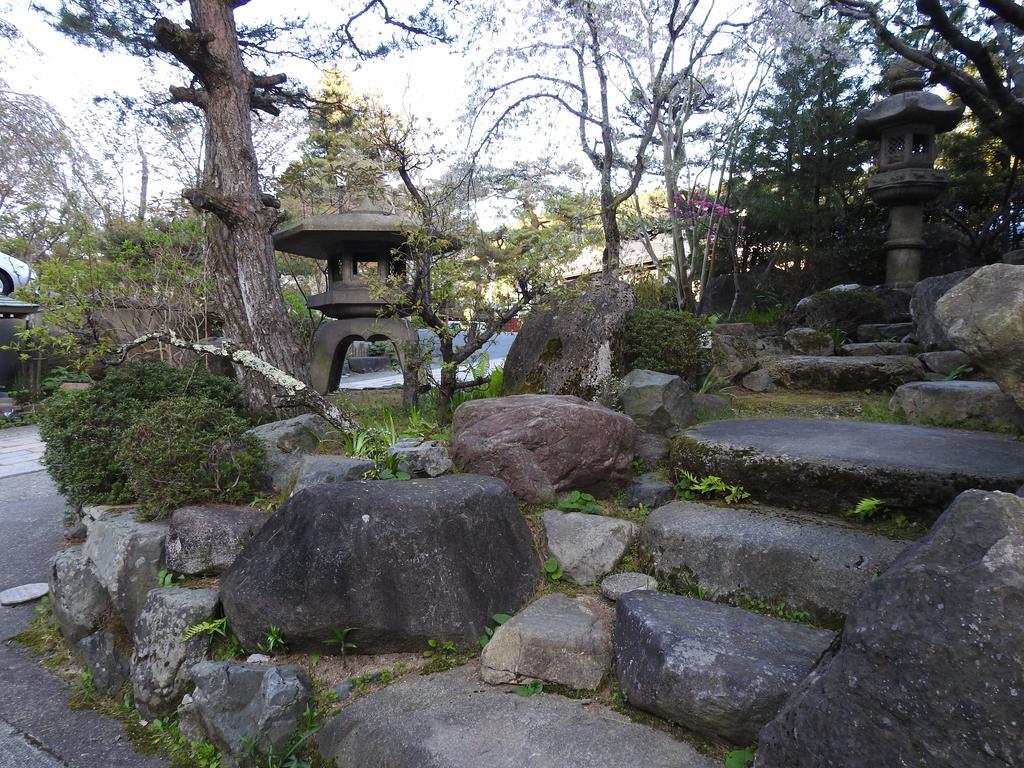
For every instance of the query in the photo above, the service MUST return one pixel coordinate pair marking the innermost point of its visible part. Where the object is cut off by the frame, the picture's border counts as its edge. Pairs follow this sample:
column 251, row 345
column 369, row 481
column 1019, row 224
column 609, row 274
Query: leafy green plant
column 868, row 508
column 165, row 578
column 388, row 469
column 664, row 340
column 959, row 372
column 384, row 677
column 499, row 619
column 580, row 502
column 740, row 758
column 691, row 487
column 531, row 688
column 341, row 642
column 437, row 648
column 84, row 431
column 187, row 449
column 552, row 570
column 213, row 628
column 275, row 641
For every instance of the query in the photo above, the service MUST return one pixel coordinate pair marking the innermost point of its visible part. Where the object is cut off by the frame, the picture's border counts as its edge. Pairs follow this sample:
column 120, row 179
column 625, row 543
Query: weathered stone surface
column 930, row 333
column 717, row 670
column 944, row 362
column 958, row 403
column 758, row 381
column 829, row 465
column 709, row 406
column 884, row 331
column 810, row 341
column 847, row 307
column 568, row 346
column 329, row 468
column 545, row 445
column 553, row 639
column 657, row 402
column 236, row 705
column 403, row 561
column 24, row 593
column 734, row 355
column 425, row 458
column 984, row 317
column 875, row 348
column 126, row 556
column 652, row 448
column 929, row 671
column 615, row 586
column 448, row 720
column 650, row 491
column 841, row 374
column 162, row 657
column 205, row 539
column 108, row 669
column 586, row 546
column 286, row 442
column 808, row 565
column 747, row 330
column 77, row 598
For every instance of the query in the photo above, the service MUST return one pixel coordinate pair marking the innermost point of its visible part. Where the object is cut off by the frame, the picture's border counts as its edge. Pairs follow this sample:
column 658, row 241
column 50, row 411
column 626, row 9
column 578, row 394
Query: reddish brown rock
column 545, row 445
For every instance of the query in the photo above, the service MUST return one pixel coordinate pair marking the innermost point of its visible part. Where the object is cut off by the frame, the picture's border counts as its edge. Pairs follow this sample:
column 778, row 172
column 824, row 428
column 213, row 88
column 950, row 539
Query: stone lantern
column 356, row 244
column 905, row 124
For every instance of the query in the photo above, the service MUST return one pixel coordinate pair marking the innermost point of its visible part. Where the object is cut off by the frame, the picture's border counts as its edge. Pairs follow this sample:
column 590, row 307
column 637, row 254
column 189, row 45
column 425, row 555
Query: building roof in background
column 633, row 256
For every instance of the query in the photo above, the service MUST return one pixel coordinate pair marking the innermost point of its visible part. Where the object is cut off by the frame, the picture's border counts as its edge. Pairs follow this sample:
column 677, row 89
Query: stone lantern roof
column 318, row 236
column 909, row 104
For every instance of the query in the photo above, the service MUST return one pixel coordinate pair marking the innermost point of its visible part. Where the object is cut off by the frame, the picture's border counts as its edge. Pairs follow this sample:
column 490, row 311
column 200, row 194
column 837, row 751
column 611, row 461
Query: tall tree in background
column 216, row 53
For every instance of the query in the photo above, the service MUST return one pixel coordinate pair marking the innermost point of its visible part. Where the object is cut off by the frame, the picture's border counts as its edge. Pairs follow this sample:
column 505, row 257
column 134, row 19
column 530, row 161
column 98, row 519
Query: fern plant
column 213, row 628
column 868, row 508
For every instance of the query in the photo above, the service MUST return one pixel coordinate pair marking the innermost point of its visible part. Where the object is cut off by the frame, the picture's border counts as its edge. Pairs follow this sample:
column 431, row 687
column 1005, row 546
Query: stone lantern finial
column 905, row 124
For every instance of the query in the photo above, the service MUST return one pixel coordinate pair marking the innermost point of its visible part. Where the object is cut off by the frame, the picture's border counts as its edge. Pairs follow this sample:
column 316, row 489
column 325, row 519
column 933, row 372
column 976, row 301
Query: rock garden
column 644, row 574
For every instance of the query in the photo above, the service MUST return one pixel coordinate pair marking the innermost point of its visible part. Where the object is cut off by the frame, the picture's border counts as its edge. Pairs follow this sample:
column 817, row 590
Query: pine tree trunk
column 241, row 249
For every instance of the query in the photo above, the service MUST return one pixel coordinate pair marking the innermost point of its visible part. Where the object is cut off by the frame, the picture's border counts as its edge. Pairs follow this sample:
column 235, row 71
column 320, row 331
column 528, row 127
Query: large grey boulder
column 127, row 556
column 109, row 670
column 734, row 354
column 721, row 671
column 586, row 546
column 841, row 374
column 958, row 403
column 930, row 333
column 984, row 317
column 657, row 402
column 285, row 442
column 649, row 491
column 615, row 586
column 423, row 458
column 569, row 345
column 448, row 720
column 653, row 449
column 802, row 562
column 945, row 362
column 545, row 445
column 553, row 639
column 206, row 538
column 828, row 465
column 163, row 657
column 77, row 597
column 238, row 707
column 930, row 668
column 404, row 562
column 810, row 341
column 329, row 468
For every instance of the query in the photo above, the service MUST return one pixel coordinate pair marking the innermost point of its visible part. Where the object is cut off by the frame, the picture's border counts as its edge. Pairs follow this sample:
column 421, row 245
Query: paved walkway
column 21, row 451
column 37, row 730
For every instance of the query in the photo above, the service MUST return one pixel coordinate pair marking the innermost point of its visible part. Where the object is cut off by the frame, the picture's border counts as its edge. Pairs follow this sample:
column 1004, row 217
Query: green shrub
column 187, row 449
column 82, row 430
column 664, row 340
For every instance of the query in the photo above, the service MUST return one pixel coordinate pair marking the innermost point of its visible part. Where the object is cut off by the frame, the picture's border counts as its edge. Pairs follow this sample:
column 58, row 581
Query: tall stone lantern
column 905, row 125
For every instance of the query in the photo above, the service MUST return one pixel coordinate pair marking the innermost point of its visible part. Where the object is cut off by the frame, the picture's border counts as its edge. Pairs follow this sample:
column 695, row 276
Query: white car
column 14, row 274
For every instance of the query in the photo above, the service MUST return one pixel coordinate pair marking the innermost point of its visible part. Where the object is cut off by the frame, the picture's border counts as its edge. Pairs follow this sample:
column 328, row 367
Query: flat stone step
column 829, row 465
column 876, row 348
column 802, row 561
column 842, row 374
column 954, row 403
column 451, row 719
column 884, row 331
column 720, row 671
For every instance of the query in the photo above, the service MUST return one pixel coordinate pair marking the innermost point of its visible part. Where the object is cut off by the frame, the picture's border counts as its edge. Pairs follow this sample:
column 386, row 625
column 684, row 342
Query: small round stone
column 618, row 584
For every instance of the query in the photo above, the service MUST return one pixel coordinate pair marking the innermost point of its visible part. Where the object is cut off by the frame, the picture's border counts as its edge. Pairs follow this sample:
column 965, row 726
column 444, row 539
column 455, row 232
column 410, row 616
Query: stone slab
column 24, row 593
column 451, row 720
column 842, row 374
column 955, row 403
column 827, row 466
column 802, row 561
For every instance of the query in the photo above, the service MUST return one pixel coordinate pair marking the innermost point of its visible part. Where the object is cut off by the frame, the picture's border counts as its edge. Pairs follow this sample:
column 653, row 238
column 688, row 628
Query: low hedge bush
column 83, row 430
